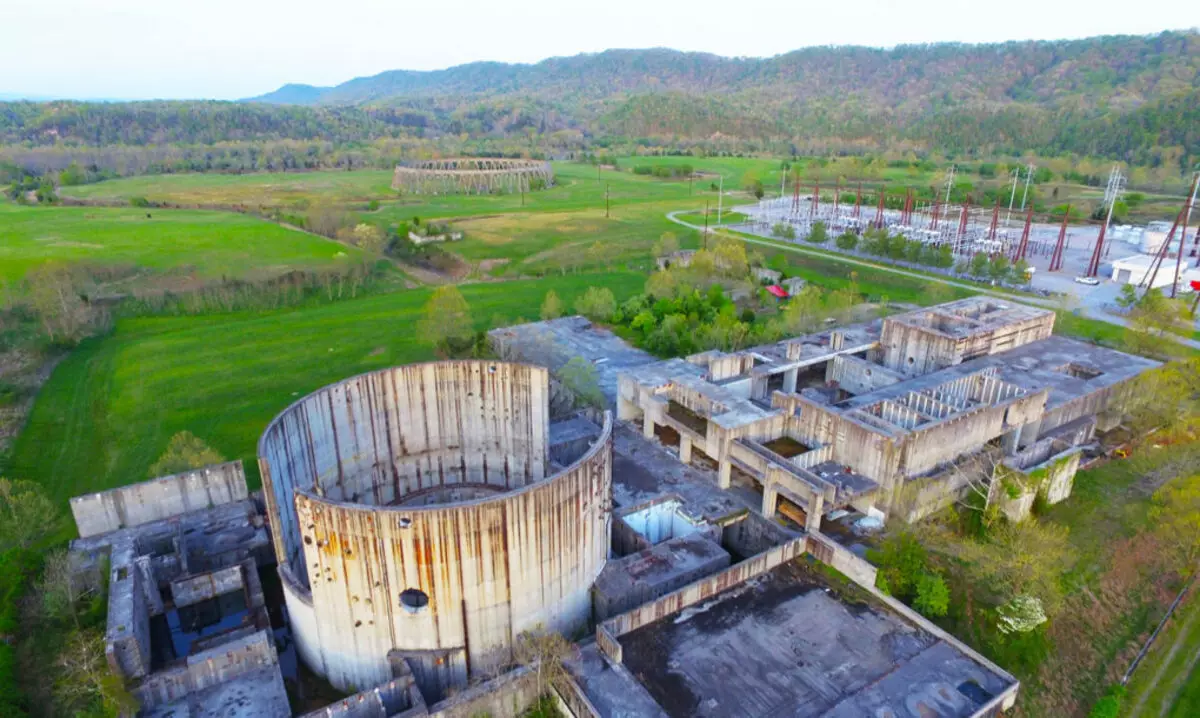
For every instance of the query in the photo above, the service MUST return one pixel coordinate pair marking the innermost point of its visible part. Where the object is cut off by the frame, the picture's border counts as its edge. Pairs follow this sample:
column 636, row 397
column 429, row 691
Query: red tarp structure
column 778, row 291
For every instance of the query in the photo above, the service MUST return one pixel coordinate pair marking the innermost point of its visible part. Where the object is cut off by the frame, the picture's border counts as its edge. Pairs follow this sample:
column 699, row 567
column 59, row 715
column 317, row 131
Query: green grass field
column 109, row 409
column 1167, row 683
column 207, row 244
column 270, row 188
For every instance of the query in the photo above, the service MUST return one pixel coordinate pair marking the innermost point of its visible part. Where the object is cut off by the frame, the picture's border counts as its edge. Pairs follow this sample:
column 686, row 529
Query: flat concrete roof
column 643, row 471
column 257, row 694
column 644, row 572
column 973, row 315
column 790, row 644
column 555, row 342
column 1070, row 369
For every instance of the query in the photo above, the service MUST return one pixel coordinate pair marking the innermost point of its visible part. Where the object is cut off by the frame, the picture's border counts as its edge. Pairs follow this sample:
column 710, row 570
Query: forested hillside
column 1129, row 98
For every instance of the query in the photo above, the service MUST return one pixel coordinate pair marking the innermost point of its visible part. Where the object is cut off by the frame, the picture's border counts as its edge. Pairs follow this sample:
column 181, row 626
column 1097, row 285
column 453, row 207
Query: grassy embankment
column 209, row 245
column 109, row 409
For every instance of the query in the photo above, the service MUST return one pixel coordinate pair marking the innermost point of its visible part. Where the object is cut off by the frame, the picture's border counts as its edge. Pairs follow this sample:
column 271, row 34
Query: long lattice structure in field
column 471, row 175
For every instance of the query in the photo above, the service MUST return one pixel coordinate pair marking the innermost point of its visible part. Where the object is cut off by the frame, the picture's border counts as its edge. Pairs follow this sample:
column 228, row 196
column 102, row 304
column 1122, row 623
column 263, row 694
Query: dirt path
column 1181, row 641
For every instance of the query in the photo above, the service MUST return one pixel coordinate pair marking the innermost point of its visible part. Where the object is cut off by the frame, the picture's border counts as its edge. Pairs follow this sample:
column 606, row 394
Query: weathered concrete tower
column 416, row 514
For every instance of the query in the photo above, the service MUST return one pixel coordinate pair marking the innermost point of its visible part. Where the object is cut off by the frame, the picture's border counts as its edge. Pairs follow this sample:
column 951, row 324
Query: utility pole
column 1028, row 176
column 597, row 171
column 949, row 183
column 691, row 179
column 1016, row 175
column 706, row 224
column 1116, row 183
column 1187, row 214
column 720, row 197
column 606, row 187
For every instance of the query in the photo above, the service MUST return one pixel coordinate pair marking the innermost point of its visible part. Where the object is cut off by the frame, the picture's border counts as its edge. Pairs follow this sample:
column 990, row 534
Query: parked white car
column 1090, row 281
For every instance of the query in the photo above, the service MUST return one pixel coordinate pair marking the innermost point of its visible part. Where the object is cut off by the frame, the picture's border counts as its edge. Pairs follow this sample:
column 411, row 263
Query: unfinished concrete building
column 188, row 628
column 431, row 513
column 878, row 417
column 472, row 175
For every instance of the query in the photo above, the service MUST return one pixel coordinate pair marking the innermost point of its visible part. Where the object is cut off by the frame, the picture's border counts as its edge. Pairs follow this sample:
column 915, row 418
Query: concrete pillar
column 770, row 499
column 724, row 469
column 816, row 504
column 647, row 425
column 789, row 380
column 685, row 449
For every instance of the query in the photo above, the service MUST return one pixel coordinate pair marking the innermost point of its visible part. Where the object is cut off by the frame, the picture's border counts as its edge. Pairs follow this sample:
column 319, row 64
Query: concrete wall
column 609, row 631
column 490, row 567
column 208, row 668
column 159, row 498
column 859, row 376
column 380, row 437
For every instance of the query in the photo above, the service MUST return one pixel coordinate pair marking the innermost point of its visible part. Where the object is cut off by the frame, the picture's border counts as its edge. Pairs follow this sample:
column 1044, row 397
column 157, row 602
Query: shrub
column 818, row 233
column 847, row 241
column 1110, row 705
column 184, row 452
column 933, row 597
column 597, row 304
column 784, row 230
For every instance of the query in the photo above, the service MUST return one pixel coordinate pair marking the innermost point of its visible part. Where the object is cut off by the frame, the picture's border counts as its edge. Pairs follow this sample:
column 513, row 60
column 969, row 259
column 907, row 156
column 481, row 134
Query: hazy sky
column 226, row 49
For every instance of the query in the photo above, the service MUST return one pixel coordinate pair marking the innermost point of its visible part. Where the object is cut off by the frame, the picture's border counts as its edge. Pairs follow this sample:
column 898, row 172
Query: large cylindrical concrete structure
column 414, row 514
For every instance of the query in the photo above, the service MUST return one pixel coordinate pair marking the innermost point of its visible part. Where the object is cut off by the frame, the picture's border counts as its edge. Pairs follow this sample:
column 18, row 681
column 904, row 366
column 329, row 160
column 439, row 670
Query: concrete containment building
column 422, row 513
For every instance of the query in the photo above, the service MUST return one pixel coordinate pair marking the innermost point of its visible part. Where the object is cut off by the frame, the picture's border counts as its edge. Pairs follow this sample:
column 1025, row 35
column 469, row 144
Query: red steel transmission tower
column 1163, row 249
column 1024, row 245
column 879, row 211
column 995, row 219
column 1057, row 257
column 816, row 199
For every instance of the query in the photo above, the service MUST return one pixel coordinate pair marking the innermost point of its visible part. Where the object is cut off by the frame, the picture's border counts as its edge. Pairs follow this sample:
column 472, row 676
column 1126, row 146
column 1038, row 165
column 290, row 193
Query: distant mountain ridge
column 1124, row 70
column 1134, row 98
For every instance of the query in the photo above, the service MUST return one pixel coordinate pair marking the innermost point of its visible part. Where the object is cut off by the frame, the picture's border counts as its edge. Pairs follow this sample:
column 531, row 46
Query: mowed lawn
column 109, row 409
column 207, row 244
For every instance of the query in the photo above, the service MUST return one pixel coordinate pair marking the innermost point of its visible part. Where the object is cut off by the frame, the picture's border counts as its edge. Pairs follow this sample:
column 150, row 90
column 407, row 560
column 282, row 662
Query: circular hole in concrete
column 413, row 600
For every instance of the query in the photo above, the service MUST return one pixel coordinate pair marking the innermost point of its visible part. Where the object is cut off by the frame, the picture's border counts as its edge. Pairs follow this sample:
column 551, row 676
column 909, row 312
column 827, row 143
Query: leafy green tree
column 1176, row 516
column 847, row 241
column 597, row 304
column 818, row 234
column 783, row 230
column 446, row 321
column 1021, row 614
column 579, row 376
column 979, row 265
column 999, row 268
column 1127, row 297
column 27, row 515
column 901, row 560
column 933, row 597
column 552, row 306
column 185, row 451
column 667, row 244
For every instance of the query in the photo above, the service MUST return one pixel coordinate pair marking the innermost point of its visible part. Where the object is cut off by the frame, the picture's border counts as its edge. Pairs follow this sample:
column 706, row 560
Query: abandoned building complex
column 877, row 417
column 416, row 522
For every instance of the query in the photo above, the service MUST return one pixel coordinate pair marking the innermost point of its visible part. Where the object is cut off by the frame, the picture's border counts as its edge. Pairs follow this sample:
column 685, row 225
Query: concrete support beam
column 685, row 449
column 724, row 469
column 648, row 425
column 789, row 380
column 770, row 500
column 816, row 504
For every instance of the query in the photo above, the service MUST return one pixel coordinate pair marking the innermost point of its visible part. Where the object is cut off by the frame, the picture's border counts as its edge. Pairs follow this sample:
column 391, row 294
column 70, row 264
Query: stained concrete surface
column 258, row 694
column 555, row 342
column 786, row 644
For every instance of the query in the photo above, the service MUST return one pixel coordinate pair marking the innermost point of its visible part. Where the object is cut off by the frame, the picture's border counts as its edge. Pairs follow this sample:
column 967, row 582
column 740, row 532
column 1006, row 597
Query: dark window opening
column 413, row 600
